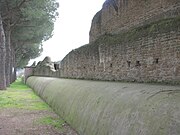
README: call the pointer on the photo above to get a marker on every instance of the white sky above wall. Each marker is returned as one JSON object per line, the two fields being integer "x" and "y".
{"x": 71, "y": 28}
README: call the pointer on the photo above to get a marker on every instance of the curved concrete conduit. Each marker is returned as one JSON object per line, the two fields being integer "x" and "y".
{"x": 112, "y": 108}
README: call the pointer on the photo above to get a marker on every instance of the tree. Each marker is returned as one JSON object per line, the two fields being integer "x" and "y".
{"x": 2, "y": 57}
{"x": 26, "y": 53}
{"x": 27, "y": 23}
{"x": 37, "y": 27}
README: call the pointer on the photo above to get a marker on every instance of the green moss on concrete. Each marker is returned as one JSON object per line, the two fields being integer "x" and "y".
{"x": 104, "y": 108}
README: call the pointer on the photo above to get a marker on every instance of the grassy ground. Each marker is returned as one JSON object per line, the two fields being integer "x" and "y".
{"x": 24, "y": 106}
{"x": 18, "y": 95}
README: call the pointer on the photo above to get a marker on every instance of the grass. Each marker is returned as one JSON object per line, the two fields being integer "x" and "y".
{"x": 18, "y": 84}
{"x": 48, "y": 120}
{"x": 19, "y": 95}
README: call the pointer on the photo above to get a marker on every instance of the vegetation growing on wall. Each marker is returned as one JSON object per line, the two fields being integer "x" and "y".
{"x": 151, "y": 30}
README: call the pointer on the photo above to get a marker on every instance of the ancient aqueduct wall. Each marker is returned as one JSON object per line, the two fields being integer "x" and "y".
{"x": 122, "y": 15}
{"x": 147, "y": 59}
{"x": 153, "y": 57}
{"x": 147, "y": 52}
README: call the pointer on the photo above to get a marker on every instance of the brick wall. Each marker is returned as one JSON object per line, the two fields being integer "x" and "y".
{"x": 148, "y": 59}
{"x": 121, "y": 15}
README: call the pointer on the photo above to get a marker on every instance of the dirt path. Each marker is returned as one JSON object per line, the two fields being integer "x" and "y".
{"x": 25, "y": 122}
{"x": 24, "y": 113}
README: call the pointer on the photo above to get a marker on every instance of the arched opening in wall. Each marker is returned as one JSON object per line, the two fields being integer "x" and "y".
{"x": 129, "y": 63}
{"x": 138, "y": 63}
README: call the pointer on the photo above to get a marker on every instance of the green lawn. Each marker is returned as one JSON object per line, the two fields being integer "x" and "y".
{"x": 18, "y": 95}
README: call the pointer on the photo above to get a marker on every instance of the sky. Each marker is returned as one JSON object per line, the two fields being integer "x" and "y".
{"x": 71, "y": 28}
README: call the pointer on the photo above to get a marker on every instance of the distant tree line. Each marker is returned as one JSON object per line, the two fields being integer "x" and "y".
{"x": 24, "y": 25}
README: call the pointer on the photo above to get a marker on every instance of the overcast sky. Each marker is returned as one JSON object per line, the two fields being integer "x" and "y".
{"x": 71, "y": 28}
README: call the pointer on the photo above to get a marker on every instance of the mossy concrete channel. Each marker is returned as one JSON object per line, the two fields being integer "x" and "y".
{"x": 112, "y": 108}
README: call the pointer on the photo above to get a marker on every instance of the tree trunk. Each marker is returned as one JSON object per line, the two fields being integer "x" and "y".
{"x": 2, "y": 57}
{"x": 13, "y": 74}
{"x": 8, "y": 54}
{"x": 11, "y": 66}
